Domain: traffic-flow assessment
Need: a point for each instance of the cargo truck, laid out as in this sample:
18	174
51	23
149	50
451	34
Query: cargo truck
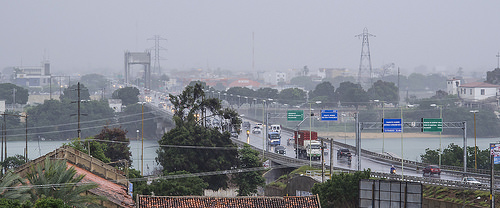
307	144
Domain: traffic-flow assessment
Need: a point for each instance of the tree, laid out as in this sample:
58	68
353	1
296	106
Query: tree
384	91
183	186
248	182
54	179
292	96
324	92
71	93
49	202
341	190
10	180
128	95
13	162
351	94
266	93
97	149
304	81
189	131
493	77
132	119
7	93
94	82
118	145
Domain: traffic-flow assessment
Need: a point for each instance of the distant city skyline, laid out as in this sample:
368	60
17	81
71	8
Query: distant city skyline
92	36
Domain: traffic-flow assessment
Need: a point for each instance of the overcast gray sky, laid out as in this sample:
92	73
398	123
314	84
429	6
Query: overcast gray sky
91	34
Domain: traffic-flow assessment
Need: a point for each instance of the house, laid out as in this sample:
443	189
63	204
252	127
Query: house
112	183
452	86
145	201
477	91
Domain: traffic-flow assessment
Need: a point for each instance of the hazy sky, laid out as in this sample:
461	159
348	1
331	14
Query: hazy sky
90	34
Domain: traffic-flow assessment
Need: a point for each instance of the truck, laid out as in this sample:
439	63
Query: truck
275	128
307	144
273	138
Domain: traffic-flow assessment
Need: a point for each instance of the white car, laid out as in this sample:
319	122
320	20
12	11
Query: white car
471	181
256	130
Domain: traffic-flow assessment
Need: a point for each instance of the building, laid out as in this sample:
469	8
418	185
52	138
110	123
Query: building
452	86
36	76
144	201
112	183
477	91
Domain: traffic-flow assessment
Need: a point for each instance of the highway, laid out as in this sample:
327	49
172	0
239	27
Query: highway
378	166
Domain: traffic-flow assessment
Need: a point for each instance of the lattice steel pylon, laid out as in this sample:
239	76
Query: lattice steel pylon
157	58
365	57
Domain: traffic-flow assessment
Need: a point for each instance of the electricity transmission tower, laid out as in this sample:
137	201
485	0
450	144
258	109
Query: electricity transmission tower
365	63
157	58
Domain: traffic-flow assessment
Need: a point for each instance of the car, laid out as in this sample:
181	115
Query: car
234	134
256	130
280	150
343	153
258	125
246	125
431	169
471	181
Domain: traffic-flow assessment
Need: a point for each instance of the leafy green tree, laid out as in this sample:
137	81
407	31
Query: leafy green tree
242	91
292	96
71	93
324	92
53	119
118	146
349	93
128	95
49	202
454	155
266	93
189	131
384	91
304	81
97	149
7	93
13	162
248	182
132	119
43	177
10	203
140	185
341	190
94	82
493	77
184	186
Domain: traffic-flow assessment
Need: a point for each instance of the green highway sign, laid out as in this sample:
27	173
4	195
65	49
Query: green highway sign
432	124
295	115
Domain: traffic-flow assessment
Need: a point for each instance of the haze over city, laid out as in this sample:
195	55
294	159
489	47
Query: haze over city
91	36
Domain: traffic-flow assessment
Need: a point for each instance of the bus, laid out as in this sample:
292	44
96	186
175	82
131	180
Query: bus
273	138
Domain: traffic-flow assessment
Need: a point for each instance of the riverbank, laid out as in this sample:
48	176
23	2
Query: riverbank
371	135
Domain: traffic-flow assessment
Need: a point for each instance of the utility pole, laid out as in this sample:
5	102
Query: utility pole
78	101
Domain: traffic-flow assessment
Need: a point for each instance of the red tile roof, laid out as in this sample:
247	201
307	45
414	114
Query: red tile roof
145	201
480	84
114	192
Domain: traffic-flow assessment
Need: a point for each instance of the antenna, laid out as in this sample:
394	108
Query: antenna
365	56
157	48
498	60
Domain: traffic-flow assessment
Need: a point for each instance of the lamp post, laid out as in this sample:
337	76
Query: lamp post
383	116
219	95
142	135
310	132
475	145
238	100
441	117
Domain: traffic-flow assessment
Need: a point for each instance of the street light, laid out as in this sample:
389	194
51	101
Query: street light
142	135
475	146
383	117
441	117
310	132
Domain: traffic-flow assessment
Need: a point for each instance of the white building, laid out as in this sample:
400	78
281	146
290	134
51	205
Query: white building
452	86
477	91
274	78
35	76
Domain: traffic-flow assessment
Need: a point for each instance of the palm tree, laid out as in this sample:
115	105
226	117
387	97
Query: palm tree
54	179
9	187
